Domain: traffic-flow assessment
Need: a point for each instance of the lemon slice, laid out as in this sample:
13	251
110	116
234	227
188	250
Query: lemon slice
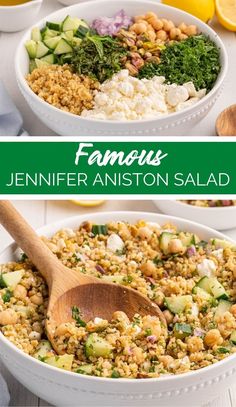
203	9
88	204
226	13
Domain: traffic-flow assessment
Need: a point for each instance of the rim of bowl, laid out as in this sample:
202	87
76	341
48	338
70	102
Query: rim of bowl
219	208
175	115
17	6
119	381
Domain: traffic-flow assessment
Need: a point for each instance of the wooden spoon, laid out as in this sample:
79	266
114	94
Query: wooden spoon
67	287
226	122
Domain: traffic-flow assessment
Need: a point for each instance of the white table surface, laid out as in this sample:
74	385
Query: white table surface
8	44
39	213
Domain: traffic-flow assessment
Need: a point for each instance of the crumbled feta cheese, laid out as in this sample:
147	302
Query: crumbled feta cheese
206	268
97	321
195	309
124	97
115	243
61	244
218	253
69	232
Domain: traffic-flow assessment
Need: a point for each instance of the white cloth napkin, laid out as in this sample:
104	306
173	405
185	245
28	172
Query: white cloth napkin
4	393
11	121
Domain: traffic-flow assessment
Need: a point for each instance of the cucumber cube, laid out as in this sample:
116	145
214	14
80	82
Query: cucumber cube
12	279
31	47
97	346
36	34
63	47
62	362
42	50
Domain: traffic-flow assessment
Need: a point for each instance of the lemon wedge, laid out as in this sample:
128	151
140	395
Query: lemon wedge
88	204
203	9
226	13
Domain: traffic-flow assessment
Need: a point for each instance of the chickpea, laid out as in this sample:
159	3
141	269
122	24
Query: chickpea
166	360
35	336
62	330
137	19
212	338
139	28
195	344
145	233
138	355
162	35
37	299
20	292
183	27
233	310
121	316
8	317
159	298
191	30
167	25
151	35
182	37
152	323
148	269
175	246
175	33
168	316
155	22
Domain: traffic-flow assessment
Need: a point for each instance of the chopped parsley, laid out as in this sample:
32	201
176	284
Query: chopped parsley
2	282
223	350
76	315
157	261
24	257
196	59
115	374
148	332
7	296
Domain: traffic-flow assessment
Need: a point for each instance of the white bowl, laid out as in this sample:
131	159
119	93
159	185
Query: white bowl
220	218
67	124
63	388
17	18
70	2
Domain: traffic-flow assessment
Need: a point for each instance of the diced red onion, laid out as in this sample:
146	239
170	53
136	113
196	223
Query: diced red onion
199	332
151	280
191	251
226	202
100	269
111	25
152	338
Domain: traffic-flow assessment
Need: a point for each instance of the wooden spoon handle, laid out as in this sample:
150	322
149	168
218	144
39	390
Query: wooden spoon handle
26	238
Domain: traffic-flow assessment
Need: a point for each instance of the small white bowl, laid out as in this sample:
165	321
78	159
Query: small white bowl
17	18
62	388
67	124
220	218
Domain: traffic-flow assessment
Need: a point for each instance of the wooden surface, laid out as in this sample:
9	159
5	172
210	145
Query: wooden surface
8	45
39	213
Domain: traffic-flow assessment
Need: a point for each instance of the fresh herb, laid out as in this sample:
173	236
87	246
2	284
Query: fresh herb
152	369
223	350
196	59
76	257
7	296
157	261
2	282
148	332
127	280
115	374
202	243
76	315
136	321
24	257
42	358
121	252
98	57
99	230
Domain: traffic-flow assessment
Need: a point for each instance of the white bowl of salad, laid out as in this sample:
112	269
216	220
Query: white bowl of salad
219	214
132	68
205	289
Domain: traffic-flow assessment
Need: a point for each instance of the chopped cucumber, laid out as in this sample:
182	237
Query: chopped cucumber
76	42
200	293
53	26
181	331
52	42
62	362
222	244
63	47
31	47
217	289
97	346
81	32
69	35
114	279
188	239
43	350
233	337
203	283
165	239
47	33
222	307
36	34
49	59
178	304
23	310
40	63
42	50
70	24
32	65
11	280
85	369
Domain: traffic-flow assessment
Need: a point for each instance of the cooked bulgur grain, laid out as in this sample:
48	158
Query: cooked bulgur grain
194	286
60	87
